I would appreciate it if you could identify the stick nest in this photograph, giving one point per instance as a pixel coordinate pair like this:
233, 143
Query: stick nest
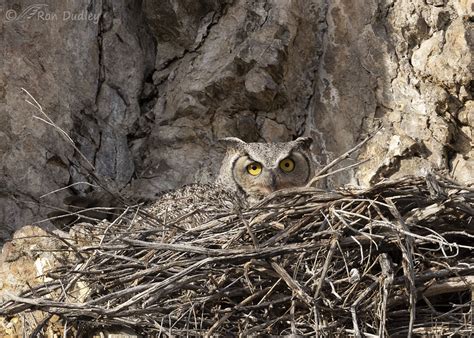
392, 259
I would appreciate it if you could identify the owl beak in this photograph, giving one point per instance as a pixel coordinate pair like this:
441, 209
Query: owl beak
269, 184
272, 183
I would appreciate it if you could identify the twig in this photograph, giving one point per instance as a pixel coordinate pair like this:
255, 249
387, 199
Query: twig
341, 158
51, 123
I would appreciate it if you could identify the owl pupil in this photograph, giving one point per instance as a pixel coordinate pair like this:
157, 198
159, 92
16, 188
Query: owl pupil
287, 164
254, 167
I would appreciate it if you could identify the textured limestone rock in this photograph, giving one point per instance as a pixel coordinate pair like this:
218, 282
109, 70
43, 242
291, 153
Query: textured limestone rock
245, 72
423, 100
146, 89
23, 262
87, 72
401, 64
47, 57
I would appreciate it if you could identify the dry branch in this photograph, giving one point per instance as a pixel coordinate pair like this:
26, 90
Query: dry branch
300, 262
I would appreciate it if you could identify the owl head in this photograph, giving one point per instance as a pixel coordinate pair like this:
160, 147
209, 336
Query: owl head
257, 169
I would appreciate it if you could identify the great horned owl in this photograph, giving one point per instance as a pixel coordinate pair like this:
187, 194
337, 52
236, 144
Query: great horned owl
249, 172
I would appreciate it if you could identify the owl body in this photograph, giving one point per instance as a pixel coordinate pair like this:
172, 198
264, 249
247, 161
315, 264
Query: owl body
194, 204
249, 171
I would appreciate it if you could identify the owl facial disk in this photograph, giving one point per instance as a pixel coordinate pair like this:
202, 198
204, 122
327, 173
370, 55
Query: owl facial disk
259, 169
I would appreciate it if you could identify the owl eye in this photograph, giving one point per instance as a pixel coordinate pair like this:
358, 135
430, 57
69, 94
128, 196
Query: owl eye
254, 168
287, 165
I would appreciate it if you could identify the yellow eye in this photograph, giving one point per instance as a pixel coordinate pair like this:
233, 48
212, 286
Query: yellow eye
254, 168
287, 165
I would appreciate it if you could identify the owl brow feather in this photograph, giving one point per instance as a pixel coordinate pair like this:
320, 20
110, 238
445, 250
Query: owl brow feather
303, 142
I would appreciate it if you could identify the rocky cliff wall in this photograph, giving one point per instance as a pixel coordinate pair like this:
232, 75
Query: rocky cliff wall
146, 88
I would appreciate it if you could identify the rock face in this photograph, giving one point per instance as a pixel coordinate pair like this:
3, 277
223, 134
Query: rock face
24, 261
146, 88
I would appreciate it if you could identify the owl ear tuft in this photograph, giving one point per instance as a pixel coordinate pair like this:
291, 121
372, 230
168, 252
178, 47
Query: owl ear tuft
233, 143
303, 142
